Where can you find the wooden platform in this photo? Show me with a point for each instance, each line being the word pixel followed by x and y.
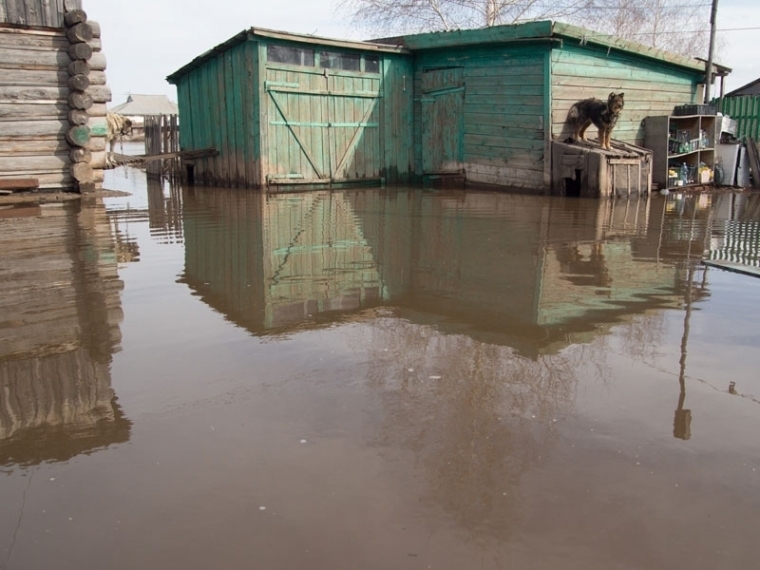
pixel 732 266
pixel 585 169
pixel 184 155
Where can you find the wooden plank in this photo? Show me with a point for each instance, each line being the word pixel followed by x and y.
pixel 12 13
pixel 97 61
pixel 502 69
pixel 30 146
pixel 29 93
pixel 34 77
pixel 530 121
pixel 304 149
pixel 58 178
pixel 503 176
pixel 32 128
pixel 184 154
pixel 15 58
pixel 482 142
pixel 733 267
pixel 36 111
pixel 351 146
pixel 238 112
pixel 30 39
pixel 19 184
pixel 99 93
pixel 504 133
pixel 33 163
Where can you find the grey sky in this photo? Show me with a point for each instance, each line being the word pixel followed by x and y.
pixel 145 40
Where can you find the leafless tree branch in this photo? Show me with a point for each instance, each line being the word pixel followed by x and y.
pixel 664 24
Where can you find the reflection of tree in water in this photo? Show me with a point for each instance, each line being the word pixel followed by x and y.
pixel 476 415
pixel 642 338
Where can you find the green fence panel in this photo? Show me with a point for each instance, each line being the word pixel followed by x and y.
pixel 746 110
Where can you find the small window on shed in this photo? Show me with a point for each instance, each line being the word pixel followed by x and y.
pixel 291 55
pixel 337 60
pixel 372 64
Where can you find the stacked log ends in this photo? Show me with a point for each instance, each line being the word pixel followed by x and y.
pixel 87 97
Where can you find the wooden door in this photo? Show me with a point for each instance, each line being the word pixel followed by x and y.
pixel 442 120
pixel 323 128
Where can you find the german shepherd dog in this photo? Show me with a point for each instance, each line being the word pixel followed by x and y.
pixel 602 114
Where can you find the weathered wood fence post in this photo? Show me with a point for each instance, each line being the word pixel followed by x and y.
pixel 161 137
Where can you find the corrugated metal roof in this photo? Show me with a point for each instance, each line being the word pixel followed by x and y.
pixel 144 105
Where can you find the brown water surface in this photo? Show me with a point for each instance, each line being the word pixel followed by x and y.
pixel 378 379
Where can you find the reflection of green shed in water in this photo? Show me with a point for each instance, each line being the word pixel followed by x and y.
pixel 480 104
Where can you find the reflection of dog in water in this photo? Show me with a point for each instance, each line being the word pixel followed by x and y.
pixel 602 114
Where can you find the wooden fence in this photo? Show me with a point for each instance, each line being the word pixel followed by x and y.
pixel 746 110
pixel 36 13
pixel 161 137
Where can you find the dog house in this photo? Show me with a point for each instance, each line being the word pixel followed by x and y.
pixel 584 169
pixel 485 105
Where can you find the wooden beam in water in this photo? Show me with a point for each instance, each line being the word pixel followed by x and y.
pixel 732 266
pixel 184 154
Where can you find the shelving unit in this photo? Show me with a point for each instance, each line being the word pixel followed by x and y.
pixel 676 141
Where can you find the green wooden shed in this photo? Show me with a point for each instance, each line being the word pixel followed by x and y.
pixel 287 109
pixel 482 104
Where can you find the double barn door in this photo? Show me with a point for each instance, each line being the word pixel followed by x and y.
pixel 322 128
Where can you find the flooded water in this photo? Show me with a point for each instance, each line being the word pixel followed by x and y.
pixel 378 379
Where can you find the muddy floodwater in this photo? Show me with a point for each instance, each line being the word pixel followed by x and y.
pixel 378 379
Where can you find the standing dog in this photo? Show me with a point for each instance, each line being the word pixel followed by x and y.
pixel 117 127
pixel 603 115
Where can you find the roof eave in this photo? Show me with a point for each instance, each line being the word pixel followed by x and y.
pixel 285 36
pixel 317 40
pixel 584 36
pixel 531 31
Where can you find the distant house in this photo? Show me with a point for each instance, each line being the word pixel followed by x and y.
pixel 743 104
pixel 751 88
pixel 288 109
pixel 138 107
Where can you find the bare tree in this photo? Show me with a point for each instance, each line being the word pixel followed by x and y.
pixel 672 25
pixel 409 16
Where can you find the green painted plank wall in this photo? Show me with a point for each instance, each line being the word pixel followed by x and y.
pixel 217 109
pixel 746 110
pixel 309 121
pixel 396 122
pixel 651 88
pixel 504 112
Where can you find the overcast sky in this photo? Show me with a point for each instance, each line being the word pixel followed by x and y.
pixel 146 40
